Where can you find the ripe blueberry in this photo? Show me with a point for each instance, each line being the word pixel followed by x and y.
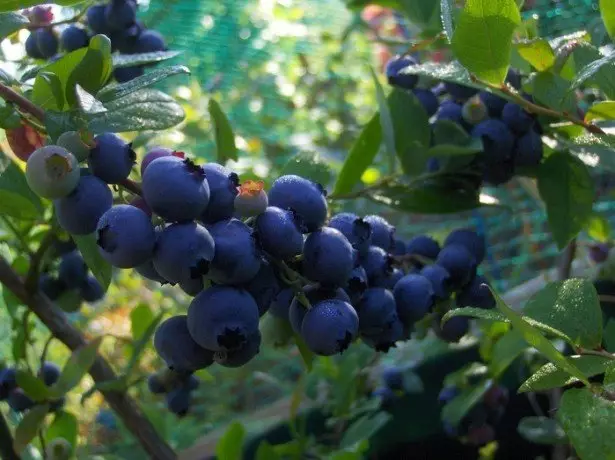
pixel 356 230
pixel 111 159
pixel 395 78
pixel 280 305
pixel 222 318
pixel 279 233
pixel 439 279
pixel 192 286
pixel 147 270
pixel 428 100
pixel 306 198
pixel 153 154
pixel 50 286
pixel 399 247
pixel 96 19
pixel 377 311
pixel 393 377
pixel 329 327
pixel 383 233
pixel 72 271
pixel 460 92
pixel 50 373
pixel 149 41
pixel 423 246
pixel 73 38
pixel 223 189
pixel 264 287
pixel 179 401
pixel 177 348
pixel 19 401
pixel 517 119
pixel 453 330
pixel 469 239
pixel 378 265
pixel 328 257
pixel 498 141
pixel 252 199
pixel 528 150
pixel 156 385
pixel 599 253
pixel 414 297
pixel 357 284
pixel 495 104
pixel 91 291
pixel 8 382
pixel 125 236
pixel 459 263
pixel 242 355
pixel 52 172
pixel 476 295
pixel 390 280
pixel 41 44
pixel 386 339
pixel 314 294
pixel 450 111
pixel 120 14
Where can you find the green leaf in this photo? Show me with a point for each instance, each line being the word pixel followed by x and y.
pixel 386 122
pixel 140 319
pixel 552 91
pixel 532 336
pixel 537 52
pixel 594 68
pixel 448 132
pixel 9 118
pixel 99 267
pixel 306 353
pixel 34 387
pixel 360 157
pixel 11 22
pixel 604 110
pixel 57 123
pixel 446 8
pixel 48 91
pixel 474 146
pixel 482 39
pixel 566 187
pixel 452 72
pixel 472 312
pixel 508 348
pixel 541 430
pixel 64 425
pixel 116 91
pixel 88 103
pixel 609 335
pixel 609 376
pixel 571 306
pixel 597 149
pixel 588 419
pixel 549 376
pixel 76 367
pixel 230 445
pixel 146 109
pixel 607 11
pixel 225 138
pixel 29 426
pixel 364 428
pixel 598 228
pixel 458 407
pixel 16 198
pixel 130 60
pixel 266 451
pixel 309 165
pixel 140 345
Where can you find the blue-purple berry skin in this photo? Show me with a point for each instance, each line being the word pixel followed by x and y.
pixel 223 185
pixel 8 382
pixel 471 240
pixel 179 401
pixel 183 251
pixel 453 330
pixel 385 339
pixel 72 271
pixel 42 44
pixel 450 111
pixel 378 265
pixel 476 295
pixel 96 19
pixel 357 283
pixel 428 100
pixel 50 373
pixel 386 396
pixel 423 246
pixel 599 253
pixel 120 14
pixel 393 377
pixel 329 327
pixel 528 150
pixel 221 318
pixel 460 92
pixel 147 270
pixel 125 236
pixel 279 233
pixel 243 355
pixel 383 233
pixel 111 159
pixel 73 38
pixel 399 247
pixel 439 278
pixel 498 140
pixel 264 287
pixel 149 41
pixel 517 119
pixel 19 401
pixel 357 230
pixel 395 77
pixel 376 310
pixel 154 154
pixel 178 349
pixel 237 259
pixel 495 104
pixel 414 297
pixel 91 290
pixel 192 286
pixel 280 305
pixel 303 196
pixel 460 264
pixel 314 294
pixel 50 286
pixel 155 385
pixel 176 189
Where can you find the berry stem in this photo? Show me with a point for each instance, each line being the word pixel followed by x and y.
pixel 10 95
pixel 55 320
pixel 6 441
pixel 601 353
pixel 132 186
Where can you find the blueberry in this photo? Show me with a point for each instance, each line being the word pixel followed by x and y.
pixel 357 283
pixel 50 286
pixel 264 287
pixel 140 203
pixel 528 150
pixel 356 230
pixel 73 38
pixel 73 142
pixel 192 286
pixel 497 139
pixel 423 246
pixel 433 165
pixel 395 78
pixel 125 236
pixel 156 385
pixel 314 294
pixel 96 19
pixel 154 154
pixel 399 247
pixel 474 111
pixel 124 74
pixel 92 291
pixel 469 239
pixel 19 401
pixel 385 339
pixel 280 305
pixel 476 295
pixel 176 189
pixel 221 318
pixel 192 382
pixel 378 265
pixel 599 253
pixel 177 348
pixel 390 280
pixel 223 189
pixel 8 382
pixel 428 100
pixel 179 401
pixel 495 104
pixel 517 119
pixel 513 78
pixel 306 198
pixel 237 259
pixel 329 327
pixel 52 172
pixel 450 111
pixel 414 297
pixel 149 41
pixel 460 264
pixel 393 378
pixel 328 257
pixel 111 159
pixel 120 14
pixel 377 311
pixel 460 92
pixel 50 373
pixel 183 251
pixel 125 40
pixel 106 419
pixel 279 233
pixel 242 355
pixel 72 271
pixel 251 200
pixel 42 44
pixel 383 233
pixel 453 330
pixel 439 278
pixel 147 270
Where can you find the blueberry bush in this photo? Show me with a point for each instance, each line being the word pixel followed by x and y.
pixel 303 261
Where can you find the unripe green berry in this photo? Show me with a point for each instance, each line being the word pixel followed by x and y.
pixel 58 449
pixel 73 142
pixel 52 172
pixel 474 111
pixel 252 199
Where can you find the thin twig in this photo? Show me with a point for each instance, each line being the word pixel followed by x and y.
pixel 601 353
pixel 25 104
pixel 131 186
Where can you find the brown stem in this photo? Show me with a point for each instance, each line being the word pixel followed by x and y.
pixel 101 371
pixel 36 259
pixel 131 186
pixel 6 441
pixel 26 105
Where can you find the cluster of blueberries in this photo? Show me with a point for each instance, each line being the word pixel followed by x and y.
pixel 73 283
pixel 116 19
pixel 511 136
pixel 477 427
pixel 17 399
pixel 177 387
